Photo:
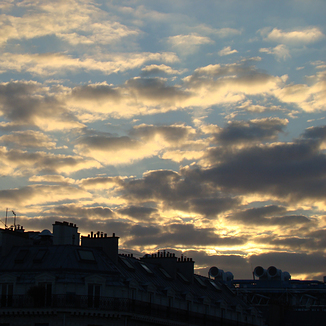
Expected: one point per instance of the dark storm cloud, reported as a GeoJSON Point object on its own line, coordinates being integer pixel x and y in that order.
{"type": "Point", "coordinates": [182, 234]}
{"type": "Point", "coordinates": [210, 207]}
{"type": "Point", "coordinates": [182, 194]}
{"type": "Point", "coordinates": [144, 231]}
{"type": "Point", "coordinates": [17, 195]}
{"type": "Point", "coordinates": [266, 216]}
{"type": "Point", "coordinates": [24, 102]}
{"type": "Point", "coordinates": [294, 263]}
{"type": "Point", "coordinates": [294, 243]}
{"type": "Point", "coordinates": [138, 212]}
{"type": "Point", "coordinates": [84, 212]}
{"type": "Point", "coordinates": [289, 170]}
{"type": "Point", "coordinates": [106, 142]}
{"type": "Point", "coordinates": [250, 131]}
{"type": "Point", "coordinates": [315, 133]}
{"type": "Point", "coordinates": [236, 264]}
{"type": "Point", "coordinates": [319, 238]}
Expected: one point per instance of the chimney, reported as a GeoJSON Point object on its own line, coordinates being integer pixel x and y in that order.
{"type": "Point", "coordinates": [109, 245]}
{"type": "Point", "coordinates": [11, 238]}
{"type": "Point", "coordinates": [167, 261]}
{"type": "Point", "coordinates": [185, 266]}
{"type": "Point", "coordinates": [65, 233]}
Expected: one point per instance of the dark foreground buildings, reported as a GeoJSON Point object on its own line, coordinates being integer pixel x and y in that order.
{"type": "Point", "coordinates": [54, 279]}
{"type": "Point", "coordinates": [48, 279]}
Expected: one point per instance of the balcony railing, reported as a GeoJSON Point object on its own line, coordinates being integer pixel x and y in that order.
{"type": "Point", "coordinates": [70, 302]}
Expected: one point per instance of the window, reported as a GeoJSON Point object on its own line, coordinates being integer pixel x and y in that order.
{"type": "Point", "coordinates": [7, 290]}
{"type": "Point", "coordinates": [183, 278]}
{"type": "Point", "coordinates": [41, 294]}
{"type": "Point", "coordinates": [21, 256]}
{"type": "Point", "coordinates": [86, 255]}
{"type": "Point", "coordinates": [200, 281]}
{"type": "Point", "coordinates": [126, 264]}
{"type": "Point", "coordinates": [165, 273]}
{"type": "Point", "coordinates": [215, 285]}
{"type": "Point", "coordinates": [146, 268]}
{"type": "Point", "coordinates": [40, 256]}
{"type": "Point", "coordinates": [94, 295]}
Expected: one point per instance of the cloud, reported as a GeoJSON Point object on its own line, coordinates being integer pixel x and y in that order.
{"type": "Point", "coordinates": [188, 43]}
{"type": "Point", "coordinates": [220, 32]}
{"type": "Point", "coordinates": [49, 64]}
{"type": "Point", "coordinates": [246, 132]}
{"type": "Point", "coordinates": [160, 69]}
{"type": "Point", "coordinates": [84, 23]}
{"type": "Point", "coordinates": [57, 179]}
{"type": "Point", "coordinates": [140, 213]}
{"type": "Point", "coordinates": [143, 141]}
{"type": "Point", "coordinates": [226, 51]}
{"type": "Point", "coordinates": [92, 213]}
{"type": "Point", "coordinates": [289, 171]}
{"type": "Point", "coordinates": [295, 263]}
{"type": "Point", "coordinates": [281, 52]}
{"type": "Point", "coordinates": [18, 162]}
{"type": "Point", "coordinates": [173, 192]}
{"type": "Point", "coordinates": [100, 182]}
{"type": "Point", "coordinates": [229, 83]}
{"type": "Point", "coordinates": [303, 36]}
{"type": "Point", "coordinates": [172, 134]}
{"type": "Point", "coordinates": [28, 139]}
{"type": "Point", "coordinates": [180, 235]}
{"type": "Point", "coordinates": [31, 104]}
{"type": "Point", "coordinates": [268, 215]}
{"type": "Point", "coordinates": [310, 98]}
{"type": "Point", "coordinates": [41, 194]}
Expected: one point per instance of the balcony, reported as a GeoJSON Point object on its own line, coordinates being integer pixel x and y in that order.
{"type": "Point", "coordinates": [127, 307]}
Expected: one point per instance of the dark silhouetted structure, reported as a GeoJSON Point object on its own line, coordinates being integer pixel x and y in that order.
{"type": "Point", "coordinates": [50, 279]}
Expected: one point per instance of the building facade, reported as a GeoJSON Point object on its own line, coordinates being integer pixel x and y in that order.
{"type": "Point", "coordinates": [59, 278]}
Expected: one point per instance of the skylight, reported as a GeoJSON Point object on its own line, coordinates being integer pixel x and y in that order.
{"type": "Point", "coordinates": [146, 268]}
{"type": "Point", "coordinates": [200, 281]}
{"type": "Point", "coordinates": [86, 255]}
{"type": "Point", "coordinates": [21, 256]}
{"type": "Point", "coordinates": [215, 285]}
{"type": "Point", "coordinates": [165, 273]}
{"type": "Point", "coordinates": [183, 278]}
{"type": "Point", "coordinates": [40, 255]}
{"type": "Point", "coordinates": [127, 264]}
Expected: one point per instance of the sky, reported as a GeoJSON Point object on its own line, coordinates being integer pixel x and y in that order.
{"type": "Point", "coordinates": [197, 127]}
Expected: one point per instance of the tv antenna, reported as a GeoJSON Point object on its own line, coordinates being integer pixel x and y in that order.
{"type": "Point", "coordinates": [14, 219]}
{"type": "Point", "coordinates": [5, 223]}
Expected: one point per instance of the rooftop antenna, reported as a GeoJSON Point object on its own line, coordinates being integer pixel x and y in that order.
{"type": "Point", "coordinates": [14, 219]}
{"type": "Point", "coordinates": [6, 220]}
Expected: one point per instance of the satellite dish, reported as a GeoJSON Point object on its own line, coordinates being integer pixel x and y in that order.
{"type": "Point", "coordinates": [260, 271]}
{"type": "Point", "coordinates": [213, 271]}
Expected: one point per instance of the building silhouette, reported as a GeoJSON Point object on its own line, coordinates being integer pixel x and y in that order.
{"type": "Point", "coordinates": [59, 278]}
